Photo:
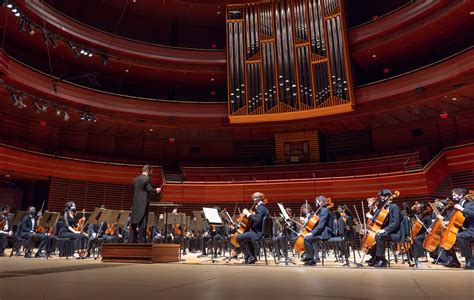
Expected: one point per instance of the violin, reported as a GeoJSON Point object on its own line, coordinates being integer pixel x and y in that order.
{"type": "Point", "coordinates": [309, 226]}
{"type": "Point", "coordinates": [80, 223]}
{"type": "Point", "coordinates": [39, 228]}
{"type": "Point", "coordinates": [374, 227]}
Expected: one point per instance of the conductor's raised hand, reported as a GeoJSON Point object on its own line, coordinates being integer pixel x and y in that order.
{"type": "Point", "coordinates": [158, 190]}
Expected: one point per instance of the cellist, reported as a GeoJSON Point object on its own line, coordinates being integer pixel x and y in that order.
{"type": "Point", "coordinates": [390, 230]}
{"type": "Point", "coordinates": [422, 214]}
{"type": "Point", "coordinates": [247, 239]}
{"type": "Point", "coordinates": [324, 230]}
{"type": "Point", "coordinates": [465, 236]}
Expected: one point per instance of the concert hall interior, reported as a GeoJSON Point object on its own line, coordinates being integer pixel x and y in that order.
{"type": "Point", "coordinates": [236, 148]}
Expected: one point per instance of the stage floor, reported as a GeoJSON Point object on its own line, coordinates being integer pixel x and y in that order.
{"type": "Point", "coordinates": [22, 278]}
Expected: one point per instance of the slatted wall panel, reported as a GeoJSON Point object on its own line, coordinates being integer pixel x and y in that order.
{"type": "Point", "coordinates": [129, 146]}
{"type": "Point", "coordinates": [88, 195]}
{"type": "Point", "coordinates": [464, 179]}
{"type": "Point", "coordinates": [153, 149]}
{"type": "Point", "coordinates": [253, 150]}
{"type": "Point", "coordinates": [341, 144]}
{"type": "Point", "coordinates": [465, 125]}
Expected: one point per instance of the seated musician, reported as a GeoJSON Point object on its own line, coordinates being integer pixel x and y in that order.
{"type": "Point", "coordinates": [421, 212]}
{"type": "Point", "coordinates": [5, 228]}
{"type": "Point", "coordinates": [67, 231]}
{"type": "Point", "coordinates": [390, 229]}
{"type": "Point", "coordinates": [324, 230]}
{"type": "Point", "coordinates": [214, 236]}
{"type": "Point", "coordinates": [246, 240]}
{"type": "Point", "coordinates": [28, 226]}
{"type": "Point", "coordinates": [465, 237]}
{"type": "Point", "coordinates": [372, 204]}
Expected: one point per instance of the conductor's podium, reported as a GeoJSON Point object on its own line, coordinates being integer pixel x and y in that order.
{"type": "Point", "coordinates": [140, 253]}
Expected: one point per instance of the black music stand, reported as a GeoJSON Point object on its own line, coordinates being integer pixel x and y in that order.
{"type": "Point", "coordinates": [17, 222]}
{"type": "Point", "coordinates": [121, 220]}
{"type": "Point", "coordinates": [211, 215]}
{"type": "Point", "coordinates": [165, 205]}
{"type": "Point", "coordinates": [286, 219]}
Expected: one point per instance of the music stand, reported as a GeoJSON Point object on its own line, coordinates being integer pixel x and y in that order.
{"type": "Point", "coordinates": [149, 224]}
{"type": "Point", "coordinates": [121, 220]}
{"type": "Point", "coordinates": [165, 205]}
{"type": "Point", "coordinates": [285, 218]}
{"type": "Point", "coordinates": [17, 221]}
{"type": "Point", "coordinates": [211, 215]}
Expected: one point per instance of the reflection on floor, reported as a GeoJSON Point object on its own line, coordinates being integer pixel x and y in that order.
{"type": "Point", "coordinates": [22, 278]}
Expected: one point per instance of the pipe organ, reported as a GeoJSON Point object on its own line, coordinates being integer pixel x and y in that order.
{"type": "Point", "coordinates": [287, 60]}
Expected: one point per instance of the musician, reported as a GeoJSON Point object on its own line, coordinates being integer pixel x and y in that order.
{"type": "Point", "coordinates": [255, 233]}
{"type": "Point", "coordinates": [465, 236]}
{"type": "Point", "coordinates": [67, 230]}
{"type": "Point", "coordinates": [6, 229]}
{"type": "Point", "coordinates": [214, 236]}
{"type": "Point", "coordinates": [324, 230]}
{"type": "Point", "coordinates": [97, 235]}
{"type": "Point", "coordinates": [305, 212]}
{"type": "Point", "coordinates": [390, 230]}
{"type": "Point", "coordinates": [422, 214]}
{"type": "Point", "coordinates": [372, 204]}
{"type": "Point", "coordinates": [142, 189]}
{"type": "Point", "coordinates": [28, 232]}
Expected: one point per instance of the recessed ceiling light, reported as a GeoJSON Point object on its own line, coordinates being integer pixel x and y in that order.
{"type": "Point", "coordinates": [374, 55]}
{"type": "Point", "coordinates": [151, 129]}
{"type": "Point", "coordinates": [212, 79]}
{"type": "Point", "coordinates": [126, 70]}
{"type": "Point", "coordinates": [454, 98]}
{"type": "Point", "coordinates": [7, 175]}
{"type": "Point", "coordinates": [471, 13]}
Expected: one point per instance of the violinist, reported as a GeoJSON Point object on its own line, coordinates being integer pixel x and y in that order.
{"type": "Point", "coordinates": [390, 229]}
{"type": "Point", "coordinates": [214, 236]}
{"type": "Point", "coordinates": [465, 236]}
{"type": "Point", "coordinates": [423, 214]}
{"type": "Point", "coordinates": [68, 230]}
{"type": "Point", "coordinates": [5, 228]}
{"type": "Point", "coordinates": [286, 235]}
{"type": "Point", "coordinates": [246, 240]}
{"type": "Point", "coordinates": [324, 230]}
{"type": "Point", "coordinates": [28, 226]}
{"type": "Point", "coordinates": [98, 233]}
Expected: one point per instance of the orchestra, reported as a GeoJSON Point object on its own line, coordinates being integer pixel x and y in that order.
{"type": "Point", "coordinates": [440, 230]}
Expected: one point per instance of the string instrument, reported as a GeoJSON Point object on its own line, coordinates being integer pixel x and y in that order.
{"type": "Point", "coordinates": [177, 230]}
{"type": "Point", "coordinates": [148, 231]}
{"type": "Point", "coordinates": [111, 229]}
{"type": "Point", "coordinates": [2, 224]}
{"type": "Point", "coordinates": [433, 237]}
{"type": "Point", "coordinates": [374, 227]}
{"type": "Point", "coordinates": [80, 223]}
{"type": "Point", "coordinates": [309, 226]}
{"type": "Point", "coordinates": [448, 238]}
{"type": "Point", "coordinates": [243, 226]}
{"type": "Point", "coordinates": [39, 228]}
{"type": "Point", "coordinates": [418, 225]}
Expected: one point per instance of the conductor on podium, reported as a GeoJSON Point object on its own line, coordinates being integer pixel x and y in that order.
{"type": "Point", "coordinates": [142, 189]}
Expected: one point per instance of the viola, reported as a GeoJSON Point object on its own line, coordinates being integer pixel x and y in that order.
{"type": "Point", "coordinates": [309, 226]}
{"type": "Point", "coordinates": [80, 223]}
{"type": "Point", "coordinates": [372, 229]}
{"type": "Point", "coordinates": [110, 229]}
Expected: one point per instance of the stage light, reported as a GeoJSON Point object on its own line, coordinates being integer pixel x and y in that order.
{"type": "Point", "coordinates": [58, 113]}
{"type": "Point", "coordinates": [104, 58]}
{"type": "Point", "coordinates": [18, 100]}
{"type": "Point", "coordinates": [39, 108]}
{"type": "Point", "coordinates": [66, 116]}
{"type": "Point", "coordinates": [90, 54]}
{"type": "Point", "coordinates": [17, 14]}
{"type": "Point", "coordinates": [9, 5]}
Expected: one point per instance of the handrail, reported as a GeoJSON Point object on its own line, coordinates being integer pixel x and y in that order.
{"type": "Point", "coordinates": [383, 16]}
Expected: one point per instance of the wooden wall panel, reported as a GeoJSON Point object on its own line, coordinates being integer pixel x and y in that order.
{"type": "Point", "coordinates": [101, 144]}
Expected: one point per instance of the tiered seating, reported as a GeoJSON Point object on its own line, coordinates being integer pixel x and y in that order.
{"type": "Point", "coordinates": [396, 163]}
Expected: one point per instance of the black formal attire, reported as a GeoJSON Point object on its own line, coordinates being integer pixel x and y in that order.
{"type": "Point", "coordinates": [420, 237]}
{"type": "Point", "coordinates": [4, 233]}
{"type": "Point", "coordinates": [324, 230]}
{"type": "Point", "coordinates": [246, 240]}
{"type": "Point", "coordinates": [465, 236]}
{"type": "Point", "coordinates": [392, 229]}
{"type": "Point", "coordinates": [282, 238]}
{"type": "Point", "coordinates": [80, 241]}
{"type": "Point", "coordinates": [214, 238]}
{"type": "Point", "coordinates": [142, 188]}
{"type": "Point", "coordinates": [27, 232]}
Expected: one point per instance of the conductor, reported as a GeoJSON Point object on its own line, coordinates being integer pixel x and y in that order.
{"type": "Point", "coordinates": [141, 190]}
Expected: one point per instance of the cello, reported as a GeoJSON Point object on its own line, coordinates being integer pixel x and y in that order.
{"type": "Point", "coordinates": [243, 226]}
{"type": "Point", "coordinates": [434, 235]}
{"type": "Point", "coordinates": [456, 221]}
{"type": "Point", "coordinates": [372, 229]}
{"type": "Point", "coordinates": [309, 226]}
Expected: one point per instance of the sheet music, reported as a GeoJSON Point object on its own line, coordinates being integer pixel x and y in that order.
{"type": "Point", "coordinates": [212, 215]}
{"type": "Point", "coordinates": [283, 211]}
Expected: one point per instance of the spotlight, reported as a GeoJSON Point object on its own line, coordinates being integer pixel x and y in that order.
{"type": "Point", "coordinates": [17, 14]}
{"type": "Point", "coordinates": [66, 116]}
{"type": "Point", "coordinates": [14, 10]}
{"type": "Point", "coordinates": [58, 112]}
{"type": "Point", "coordinates": [39, 108]}
{"type": "Point", "coordinates": [18, 100]}
{"type": "Point", "coordinates": [90, 54]}
{"type": "Point", "coordinates": [9, 5]}
{"type": "Point", "coordinates": [83, 116]}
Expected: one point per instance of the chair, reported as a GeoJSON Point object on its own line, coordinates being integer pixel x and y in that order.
{"type": "Point", "coordinates": [65, 245]}
{"type": "Point", "coordinates": [267, 236]}
{"type": "Point", "coordinates": [404, 238]}
{"type": "Point", "coordinates": [17, 241]}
